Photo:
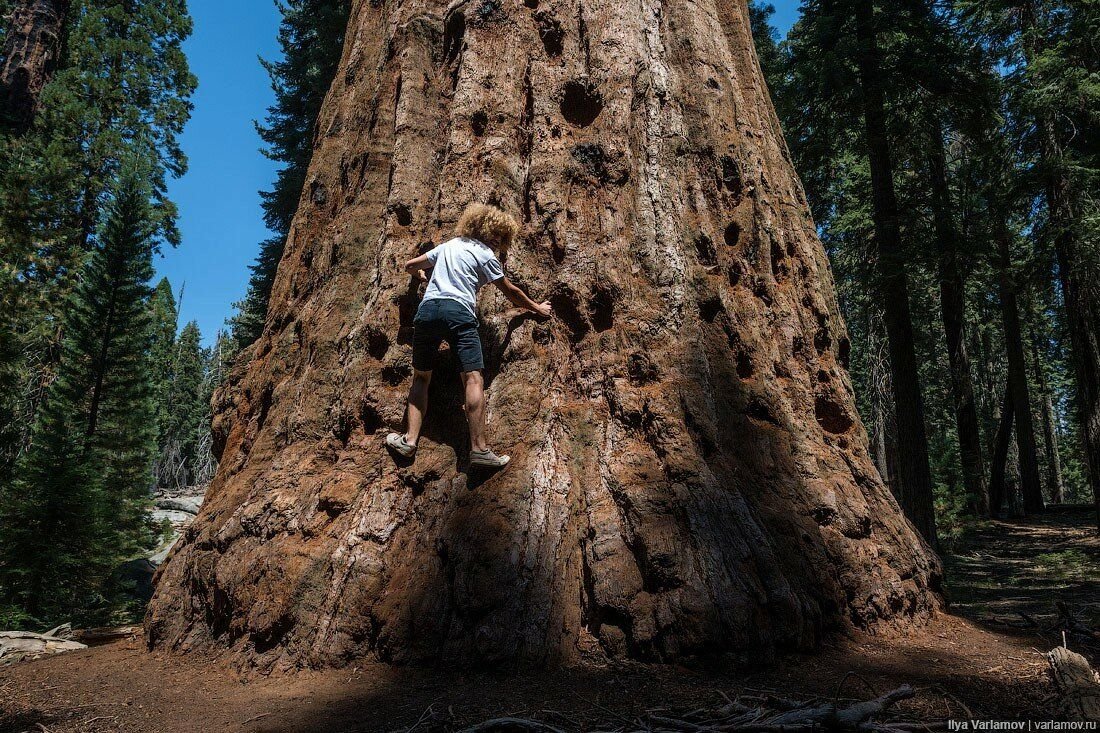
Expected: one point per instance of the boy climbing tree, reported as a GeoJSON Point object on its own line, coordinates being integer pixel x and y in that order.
{"type": "Point", "coordinates": [459, 268]}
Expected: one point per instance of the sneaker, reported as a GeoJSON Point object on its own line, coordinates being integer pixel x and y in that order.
{"type": "Point", "coordinates": [488, 459]}
{"type": "Point", "coordinates": [397, 443]}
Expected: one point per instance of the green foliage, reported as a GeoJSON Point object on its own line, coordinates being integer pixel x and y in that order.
{"type": "Point", "coordinates": [976, 76]}
{"type": "Point", "coordinates": [311, 38]}
{"type": "Point", "coordinates": [78, 503]}
{"type": "Point", "coordinates": [121, 90]}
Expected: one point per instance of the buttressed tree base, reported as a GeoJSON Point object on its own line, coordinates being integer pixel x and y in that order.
{"type": "Point", "coordinates": [690, 476]}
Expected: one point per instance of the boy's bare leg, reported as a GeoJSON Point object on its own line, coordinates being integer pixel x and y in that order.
{"type": "Point", "coordinates": [418, 404]}
{"type": "Point", "coordinates": [475, 409]}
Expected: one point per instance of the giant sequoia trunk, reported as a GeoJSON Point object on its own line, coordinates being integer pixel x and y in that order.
{"type": "Point", "coordinates": [689, 474]}
{"type": "Point", "coordinates": [31, 48]}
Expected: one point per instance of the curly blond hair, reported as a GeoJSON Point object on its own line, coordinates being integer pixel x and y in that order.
{"type": "Point", "coordinates": [487, 224]}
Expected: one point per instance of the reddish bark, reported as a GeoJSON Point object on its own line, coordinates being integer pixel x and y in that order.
{"type": "Point", "coordinates": [689, 475]}
{"type": "Point", "coordinates": [31, 49]}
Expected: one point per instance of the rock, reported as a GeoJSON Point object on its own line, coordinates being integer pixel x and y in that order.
{"type": "Point", "coordinates": [188, 506]}
{"type": "Point", "coordinates": [17, 646]}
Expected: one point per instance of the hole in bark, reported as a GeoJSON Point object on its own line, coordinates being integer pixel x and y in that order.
{"type": "Point", "coordinates": [734, 273]}
{"type": "Point", "coordinates": [822, 340]}
{"type": "Point", "coordinates": [779, 262]}
{"type": "Point", "coordinates": [418, 482]}
{"type": "Point", "coordinates": [832, 416]}
{"type": "Point", "coordinates": [713, 83]}
{"type": "Point", "coordinates": [641, 369]}
{"type": "Point", "coordinates": [478, 122]}
{"type": "Point", "coordinates": [758, 409]}
{"type": "Point", "coordinates": [395, 374]}
{"type": "Point", "coordinates": [378, 343]}
{"type": "Point", "coordinates": [581, 103]}
{"type": "Point", "coordinates": [487, 12]}
{"type": "Point", "coordinates": [598, 165]}
{"type": "Point", "coordinates": [730, 174]}
{"type": "Point", "coordinates": [710, 307]}
{"type": "Point", "coordinates": [824, 515]}
{"type": "Point", "coordinates": [531, 3]}
{"type": "Point", "coordinates": [266, 398]}
{"type": "Point", "coordinates": [733, 234]}
{"type": "Point", "coordinates": [318, 193]}
{"type": "Point", "coordinates": [858, 530]}
{"type": "Point", "coordinates": [822, 376]}
{"type": "Point", "coordinates": [745, 368]}
{"type": "Point", "coordinates": [403, 214]}
{"type": "Point", "coordinates": [370, 418]}
{"type": "Point", "coordinates": [760, 290]}
{"type": "Point", "coordinates": [567, 311]}
{"type": "Point", "coordinates": [601, 308]}
{"type": "Point", "coordinates": [704, 248]}
{"type": "Point", "coordinates": [844, 351]}
{"type": "Point", "coordinates": [267, 639]}
{"type": "Point", "coordinates": [453, 35]}
{"type": "Point", "coordinates": [551, 33]}
{"type": "Point", "coordinates": [332, 506]}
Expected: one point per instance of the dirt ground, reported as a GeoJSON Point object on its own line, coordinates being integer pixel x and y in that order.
{"type": "Point", "coordinates": [986, 661]}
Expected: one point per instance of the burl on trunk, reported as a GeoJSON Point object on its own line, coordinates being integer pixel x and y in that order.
{"type": "Point", "coordinates": [689, 475]}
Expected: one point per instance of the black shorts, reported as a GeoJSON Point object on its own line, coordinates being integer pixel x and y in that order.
{"type": "Point", "coordinates": [442, 319]}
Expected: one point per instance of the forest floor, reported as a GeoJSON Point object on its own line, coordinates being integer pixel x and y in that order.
{"type": "Point", "coordinates": [986, 661]}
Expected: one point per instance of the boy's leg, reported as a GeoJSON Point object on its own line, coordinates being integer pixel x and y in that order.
{"type": "Point", "coordinates": [418, 404]}
{"type": "Point", "coordinates": [475, 409]}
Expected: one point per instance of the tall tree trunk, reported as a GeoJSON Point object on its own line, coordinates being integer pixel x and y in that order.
{"type": "Point", "coordinates": [1055, 484]}
{"type": "Point", "coordinates": [1080, 280]}
{"type": "Point", "coordinates": [689, 475]}
{"type": "Point", "coordinates": [31, 50]}
{"type": "Point", "coordinates": [1078, 270]}
{"type": "Point", "coordinates": [1031, 486]}
{"type": "Point", "coordinates": [953, 311]}
{"type": "Point", "coordinates": [893, 287]}
{"type": "Point", "coordinates": [999, 461]}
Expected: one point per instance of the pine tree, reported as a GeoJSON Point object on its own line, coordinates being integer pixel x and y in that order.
{"type": "Point", "coordinates": [122, 85]}
{"type": "Point", "coordinates": [163, 354]}
{"type": "Point", "coordinates": [78, 503]}
{"type": "Point", "coordinates": [311, 38]}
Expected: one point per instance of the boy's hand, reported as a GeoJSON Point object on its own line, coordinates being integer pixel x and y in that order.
{"type": "Point", "coordinates": [544, 309]}
{"type": "Point", "coordinates": [422, 276]}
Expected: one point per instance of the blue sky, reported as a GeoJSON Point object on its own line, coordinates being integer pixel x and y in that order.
{"type": "Point", "coordinates": [220, 217]}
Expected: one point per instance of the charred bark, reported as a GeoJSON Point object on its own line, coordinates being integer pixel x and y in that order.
{"type": "Point", "coordinates": [915, 475]}
{"type": "Point", "coordinates": [689, 475]}
{"type": "Point", "coordinates": [953, 311]}
{"type": "Point", "coordinates": [30, 55]}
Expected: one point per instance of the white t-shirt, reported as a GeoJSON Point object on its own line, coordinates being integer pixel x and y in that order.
{"type": "Point", "coordinates": [461, 266]}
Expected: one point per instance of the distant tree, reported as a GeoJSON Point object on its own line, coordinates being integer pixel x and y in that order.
{"type": "Point", "coordinates": [768, 50]}
{"type": "Point", "coordinates": [79, 501]}
{"type": "Point", "coordinates": [121, 88]}
{"type": "Point", "coordinates": [163, 353]}
{"type": "Point", "coordinates": [311, 38]}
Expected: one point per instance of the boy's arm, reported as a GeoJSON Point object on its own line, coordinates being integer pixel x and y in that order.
{"type": "Point", "coordinates": [520, 298]}
{"type": "Point", "coordinates": [417, 264]}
